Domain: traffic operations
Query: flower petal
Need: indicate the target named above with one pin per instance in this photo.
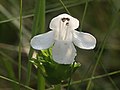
(55, 22)
(84, 40)
(64, 52)
(42, 41)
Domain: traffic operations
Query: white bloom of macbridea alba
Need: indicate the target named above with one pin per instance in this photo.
(63, 37)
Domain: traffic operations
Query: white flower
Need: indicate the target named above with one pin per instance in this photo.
(63, 37)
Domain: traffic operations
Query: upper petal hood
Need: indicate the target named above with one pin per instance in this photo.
(55, 22)
(42, 41)
(84, 40)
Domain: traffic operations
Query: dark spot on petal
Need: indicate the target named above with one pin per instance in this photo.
(67, 23)
(63, 19)
(67, 19)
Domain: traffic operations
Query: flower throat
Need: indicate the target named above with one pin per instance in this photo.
(63, 29)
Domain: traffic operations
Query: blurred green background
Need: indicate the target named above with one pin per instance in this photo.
(102, 17)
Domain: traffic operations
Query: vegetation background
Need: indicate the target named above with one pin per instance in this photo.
(100, 68)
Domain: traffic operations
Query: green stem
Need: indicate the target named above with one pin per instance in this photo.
(29, 67)
(69, 82)
(38, 27)
(20, 43)
(41, 81)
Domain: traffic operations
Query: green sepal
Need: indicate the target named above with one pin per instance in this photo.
(57, 73)
(53, 72)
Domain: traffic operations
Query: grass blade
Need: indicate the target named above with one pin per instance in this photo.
(10, 71)
(94, 77)
(102, 48)
(50, 8)
(84, 13)
(38, 27)
(17, 83)
(112, 82)
(20, 44)
(64, 6)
